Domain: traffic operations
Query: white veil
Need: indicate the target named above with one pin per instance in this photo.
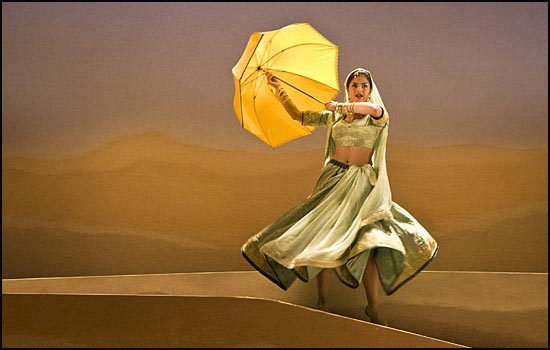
(380, 199)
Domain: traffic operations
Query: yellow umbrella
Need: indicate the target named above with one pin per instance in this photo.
(303, 60)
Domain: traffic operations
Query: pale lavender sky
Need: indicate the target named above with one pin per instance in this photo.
(76, 75)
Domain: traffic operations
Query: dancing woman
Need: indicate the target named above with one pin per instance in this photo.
(349, 224)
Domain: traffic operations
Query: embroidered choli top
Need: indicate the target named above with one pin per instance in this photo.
(359, 133)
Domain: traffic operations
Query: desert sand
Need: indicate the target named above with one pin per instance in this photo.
(149, 204)
(146, 204)
(242, 308)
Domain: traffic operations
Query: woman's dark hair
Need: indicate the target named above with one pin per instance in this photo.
(355, 73)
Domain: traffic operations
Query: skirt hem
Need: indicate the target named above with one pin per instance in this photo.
(277, 282)
(416, 273)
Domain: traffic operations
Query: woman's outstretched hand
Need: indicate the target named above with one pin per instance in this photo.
(272, 80)
(276, 83)
(330, 105)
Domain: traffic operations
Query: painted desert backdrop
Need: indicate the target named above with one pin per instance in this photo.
(146, 203)
(122, 161)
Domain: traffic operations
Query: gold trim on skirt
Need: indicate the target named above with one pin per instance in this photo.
(337, 227)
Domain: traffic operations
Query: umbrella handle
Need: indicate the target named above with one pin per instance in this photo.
(303, 92)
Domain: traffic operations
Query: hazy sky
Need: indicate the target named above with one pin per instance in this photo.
(76, 75)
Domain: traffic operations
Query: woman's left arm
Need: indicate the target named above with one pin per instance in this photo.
(366, 108)
(375, 111)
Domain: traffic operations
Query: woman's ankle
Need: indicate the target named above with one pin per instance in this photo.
(322, 305)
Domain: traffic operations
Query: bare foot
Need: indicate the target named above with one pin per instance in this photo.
(321, 305)
(375, 316)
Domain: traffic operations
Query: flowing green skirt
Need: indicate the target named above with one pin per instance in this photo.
(326, 230)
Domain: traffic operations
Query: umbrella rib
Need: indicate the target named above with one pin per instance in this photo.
(252, 80)
(289, 84)
(286, 49)
(294, 46)
(302, 91)
(252, 55)
(249, 59)
(246, 81)
(294, 87)
(261, 66)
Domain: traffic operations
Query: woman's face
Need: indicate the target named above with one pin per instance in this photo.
(359, 89)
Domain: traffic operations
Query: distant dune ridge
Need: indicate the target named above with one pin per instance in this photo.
(149, 203)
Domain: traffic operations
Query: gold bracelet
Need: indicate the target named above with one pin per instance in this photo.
(282, 95)
(348, 108)
(339, 108)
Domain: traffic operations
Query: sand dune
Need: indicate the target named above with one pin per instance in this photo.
(154, 146)
(48, 252)
(469, 308)
(484, 205)
(109, 321)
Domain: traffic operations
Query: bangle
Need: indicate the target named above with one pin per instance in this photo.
(282, 95)
(381, 115)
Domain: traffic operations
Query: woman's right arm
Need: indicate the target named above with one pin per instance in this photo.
(306, 118)
(282, 96)
(289, 106)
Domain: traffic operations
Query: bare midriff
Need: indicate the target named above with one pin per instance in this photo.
(353, 155)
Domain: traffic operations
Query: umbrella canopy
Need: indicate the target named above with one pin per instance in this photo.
(307, 65)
